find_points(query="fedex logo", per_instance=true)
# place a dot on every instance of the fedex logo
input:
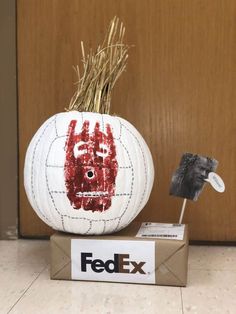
(113, 260)
(121, 263)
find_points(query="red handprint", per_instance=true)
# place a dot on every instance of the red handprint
(90, 167)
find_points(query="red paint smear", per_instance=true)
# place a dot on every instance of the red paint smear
(90, 167)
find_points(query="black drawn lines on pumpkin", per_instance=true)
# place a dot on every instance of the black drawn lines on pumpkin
(80, 218)
(58, 166)
(84, 194)
(145, 170)
(32, 172)
(132, 184)
(63, 216)
(54, 201)
(46, 175)
(120, 132)
(118, 224)
(58, 192)
(104, 227)
(96, 194)
(62, 223)
(88, 219)
(90, 227)
(55, 124)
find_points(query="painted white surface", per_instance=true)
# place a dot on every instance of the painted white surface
(45, 182)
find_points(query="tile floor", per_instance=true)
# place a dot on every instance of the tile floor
(25, 287)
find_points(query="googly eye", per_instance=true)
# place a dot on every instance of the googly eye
(79, 149)
(103, 152)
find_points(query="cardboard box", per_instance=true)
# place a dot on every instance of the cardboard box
(120, 257)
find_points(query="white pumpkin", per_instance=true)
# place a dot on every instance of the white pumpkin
(88, 173)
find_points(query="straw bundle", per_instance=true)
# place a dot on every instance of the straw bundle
(101, 71)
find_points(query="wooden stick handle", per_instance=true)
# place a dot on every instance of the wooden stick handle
(182, 211)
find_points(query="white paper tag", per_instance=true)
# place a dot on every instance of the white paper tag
(113, 260)
(161, 231)
(216, 182)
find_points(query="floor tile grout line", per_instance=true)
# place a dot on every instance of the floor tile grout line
(181, 296)
(30, 285)
(211, 269)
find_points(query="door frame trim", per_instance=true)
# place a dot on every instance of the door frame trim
(8, 122)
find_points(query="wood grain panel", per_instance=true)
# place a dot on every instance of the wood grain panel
(179, 90)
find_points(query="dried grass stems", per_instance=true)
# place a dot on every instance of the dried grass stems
(101, 71)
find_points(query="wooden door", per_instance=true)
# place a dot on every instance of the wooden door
(179, 91)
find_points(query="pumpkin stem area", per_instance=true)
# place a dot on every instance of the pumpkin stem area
(101, 70)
